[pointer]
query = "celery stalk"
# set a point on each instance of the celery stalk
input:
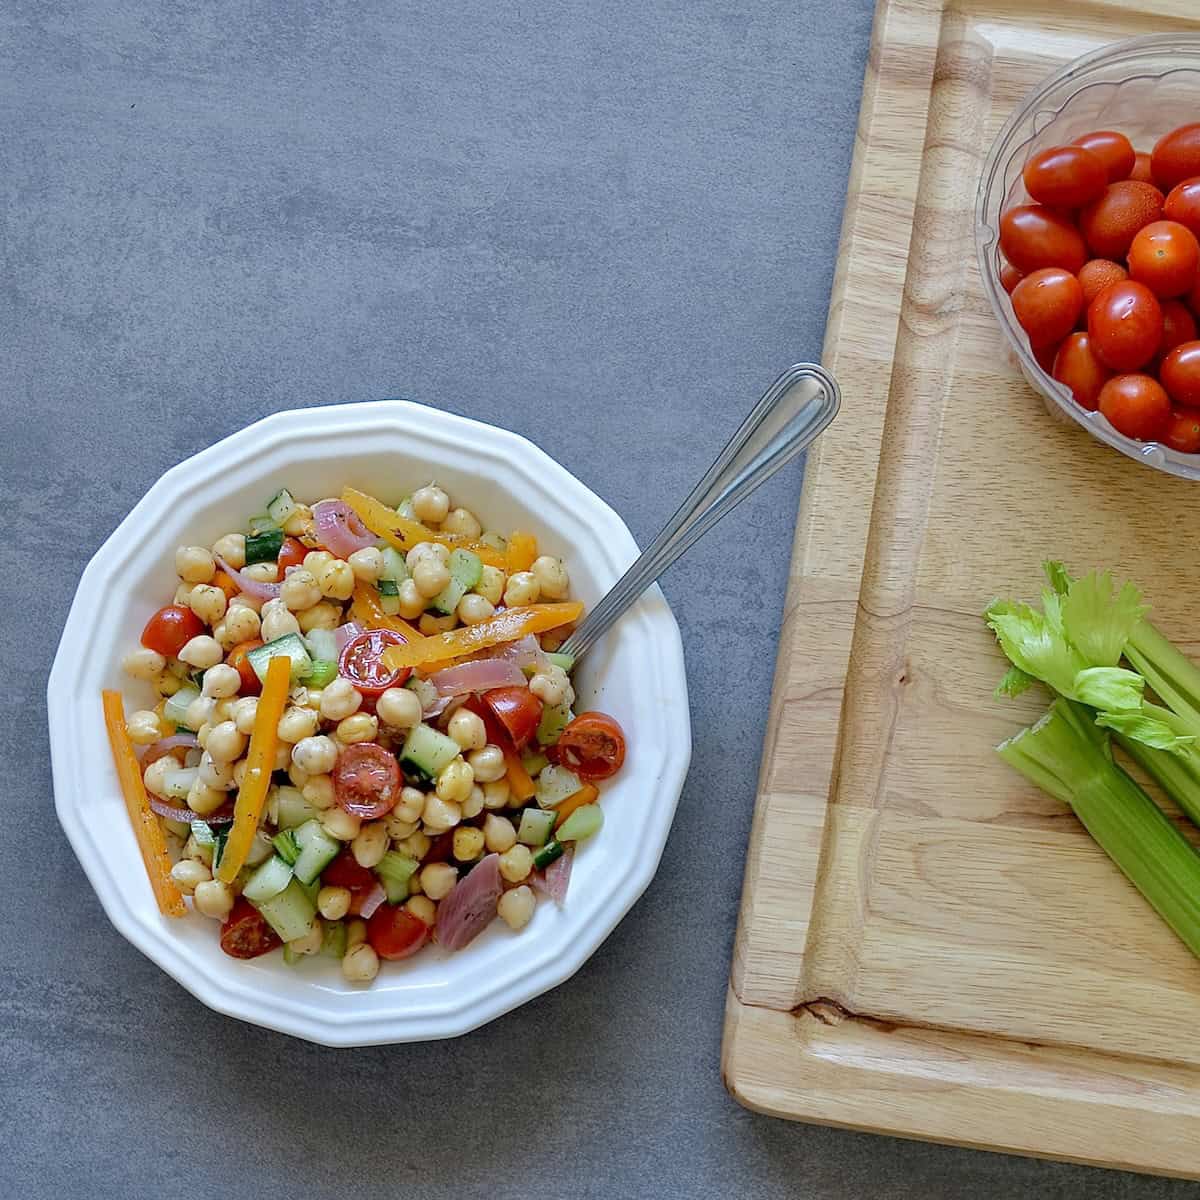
(1068, 757)
(1168, 672)
(1178, 776)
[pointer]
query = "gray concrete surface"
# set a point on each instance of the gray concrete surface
(607, 227)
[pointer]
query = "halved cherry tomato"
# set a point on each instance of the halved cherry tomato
(346, 871)
(518, 710)
(1077, 367)
(1183, 204)
(1165, 255)
(1109, 223)
(1009, 277)
(366, 780)
(170, 629)
(1125, 325)
(226, 584)
(1176, 156)
(1047, 304)
(1065, 176)
(1098, 273)
(592, 745)
(1183, 431)
(1180, 374)
(1179, 326)
(440, 848)
(1032, 237)
(1141, 172)
(1137, 406)
(245, 932)
(395, 933)
(1112, 149)
(251, 684)
(291, 554)
(361, 662)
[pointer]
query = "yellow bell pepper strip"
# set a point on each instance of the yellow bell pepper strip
(260, 762)
(146, 828)
(404, 533)
(522, 550)
(520, 784)
(586, 795)
(505, 626)
(366, 609)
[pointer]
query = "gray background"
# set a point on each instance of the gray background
(607, 230)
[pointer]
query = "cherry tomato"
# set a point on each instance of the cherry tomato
(1137, 406)
(1176, 156)
(361, 662)
(1141, 172)
(396, 933)
(1098, 273)
(1065, 176)
(518, 710)
(1165, 255)
(245, 932)
(1047, 304)
(251, 685)
(366, 780)
(1077, 367)
(170, 629)
(1180, 374)
(1183, 204)
(1110, 222)
(291, 554)
(1183, 431)
(440, 849)
(1032, 237)
(1125, 326)
(1044, 356)
(1009, 277)
(592, 745)
(346, 871)
(1179, 326)
(1112, 149)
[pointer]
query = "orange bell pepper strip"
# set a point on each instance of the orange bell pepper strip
(522, 550)
(227, 584)
(146, 828)
(586, 795)
(519, 782)
(260, 762)
(505, 626)
(367, 609)
(404, 533)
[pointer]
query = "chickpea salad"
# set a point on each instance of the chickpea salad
(365, 738)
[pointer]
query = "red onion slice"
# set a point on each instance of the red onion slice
(524, 652)
(339, 528)
(479, 676)
(180, 812)
(470, 907)
(260, 591)
(554, 879)
(177, 741)
(347, 633)
(371, 901)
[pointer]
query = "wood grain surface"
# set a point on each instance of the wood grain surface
(927, 945)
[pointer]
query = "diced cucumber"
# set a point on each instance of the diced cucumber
(394, 565)
(322, 644)
(263, 547)
(290, 913)
(323, 673)
(291, 808)
(584, 822)
(426, 752)
(405, 508)
(465, 571)
(202, 832)
(286, 846)
(262, 523)
(425, 691)
(311, 890)
(548, 853)
(555, 784)
(333, 939)
(388, 587)
(493, 539)
(566, 661)
(534, 763)
(176, 706)
(268, 880)
(292, 957)
(281, 506)
(317, 851)
(536, 826)
(554, 720)
(394, 871)
(389, 596)
(291, 645)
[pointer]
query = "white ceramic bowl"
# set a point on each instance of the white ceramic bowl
(636, 673)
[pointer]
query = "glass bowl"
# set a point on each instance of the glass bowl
(1143, 87)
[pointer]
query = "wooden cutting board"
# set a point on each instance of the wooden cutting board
(928, 946)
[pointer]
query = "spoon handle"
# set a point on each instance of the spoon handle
(789, 417)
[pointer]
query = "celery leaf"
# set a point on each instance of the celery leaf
(1057, 575)
(1015, 682)
(1145, 728)
(1110, 689)
(1034, 644)
(1096, 622)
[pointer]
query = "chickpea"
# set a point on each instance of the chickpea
(370, 845)
(283, 757)
(440, 815)
(318, 790)
(218, 776)
(551, 576)
(499, 834)
(416, 845)
(360, 964)
(339, 700)
(467, 843)
(473, 608)
(461, 521)
(241, 623)
(430, 577)
(213, 899)
(143, 664)
(194, 564)
(367, 564)
(336, 580)
(550, 685)
(438, 880)
(467, 729)
(491, 584)
(310, 943)
(455, 781)
(155, 775)
(225, 743)
(356, 932)
(423, 909)
(340, 824)
(321, 616)
(472, 806)
(515, 908)
(143, 727)
(245, 712)
(412, 603)
(187, 873)
(261, 572)
(316, 561)
(315, 754)
(411, 805)
(399, 708)
(242, 600)
(168, 684)
(496, 795)
(296, 724)
(199, 713)
(277, 620)
(399, 829)
(183, 593)
(232, 548)
(203, 800)
(424, 550)
(221, 682)
(487, 764)
(429, 624)
(208, 603)
(430, 504)
(299, 522)
(202, 652)
(522, 588)
(333, 903)
(361, 727)
(516, 863)
(299, 590)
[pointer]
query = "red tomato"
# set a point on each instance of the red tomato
(1098, 273)
(345, 871)
(291, 554)
(1009, 277)
(1141, 172)
(1077, 367)
(396, 933)
(1176, 156)
(170, 629)
(1165, 255)
(1183, 204)
(1032, 237)
(1180, 374)
(1183, 431)
(592, 745)
(1179, 326)
(245, 932)
(1125, 326)
(1065, 176)
(366, 780)
(1044, 356)
(1109, 223)
(251, 685)
(361, 662)
(1137, 406)
(1047, 304)
(1112, 149)
(518, 710)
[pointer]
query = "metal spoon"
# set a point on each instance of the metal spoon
(795, 409)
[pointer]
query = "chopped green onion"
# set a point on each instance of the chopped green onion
(548, 853)
(286, 846)
(388, 587)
